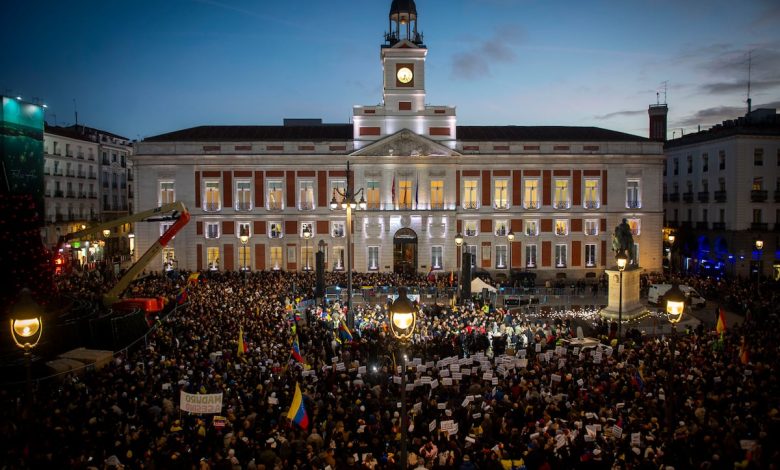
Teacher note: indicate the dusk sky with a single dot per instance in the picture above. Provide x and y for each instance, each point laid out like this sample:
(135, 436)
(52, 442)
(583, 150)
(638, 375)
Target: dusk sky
(140, 68)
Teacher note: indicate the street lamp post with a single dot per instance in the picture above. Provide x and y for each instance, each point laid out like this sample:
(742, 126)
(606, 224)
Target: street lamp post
(403, 319)
(675, 307)
(306, 237)
(622, 260)
(244, 240)
(348, 203)
(671, 255)
(26, 330)
(106, 234)
(759, 267)
(459, 244)
(510, 238)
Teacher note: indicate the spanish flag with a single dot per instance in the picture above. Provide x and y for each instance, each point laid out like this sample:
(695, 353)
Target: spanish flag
(452, 278)
(297, 413)
(721, 325)
(241, 344)
(193, 279)
(296, 351)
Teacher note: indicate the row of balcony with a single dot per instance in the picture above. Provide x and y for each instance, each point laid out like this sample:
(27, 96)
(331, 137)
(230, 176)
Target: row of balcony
(70, 194)
(70, 174)
(756, 195)
(72, 218)
(247, 206)
(91, 158)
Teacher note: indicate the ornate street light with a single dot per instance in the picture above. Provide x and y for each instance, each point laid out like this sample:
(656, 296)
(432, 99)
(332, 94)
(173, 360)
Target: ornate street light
(244, 240)
(26, 329)
(348, 203)
(675, 304)
(510, 237)
(759, 244)
(675, 307)
(403, 319)
(307, 236)
(622, 260)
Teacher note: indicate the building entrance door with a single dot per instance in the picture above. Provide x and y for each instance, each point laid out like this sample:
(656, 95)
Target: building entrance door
(405, 251)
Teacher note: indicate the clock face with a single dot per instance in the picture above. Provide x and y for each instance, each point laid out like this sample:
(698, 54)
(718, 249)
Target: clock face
(405, 75)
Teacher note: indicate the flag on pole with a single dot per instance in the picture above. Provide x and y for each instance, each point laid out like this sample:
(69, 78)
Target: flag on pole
(452, 278)
(296, 351)
(344, 332)
(721, 326)
(393, 194)
(417, 191)
(744, 354)
(193, 278)
(181, 297)
(431, 275)
(241, 343)
(297, 413)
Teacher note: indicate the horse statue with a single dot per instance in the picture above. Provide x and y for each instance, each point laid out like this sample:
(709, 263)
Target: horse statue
(623, 242)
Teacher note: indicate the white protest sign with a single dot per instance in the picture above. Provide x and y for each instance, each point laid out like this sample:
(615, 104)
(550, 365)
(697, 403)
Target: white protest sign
(201, 404)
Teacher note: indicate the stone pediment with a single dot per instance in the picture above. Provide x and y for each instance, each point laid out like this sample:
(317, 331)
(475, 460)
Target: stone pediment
(406, 143)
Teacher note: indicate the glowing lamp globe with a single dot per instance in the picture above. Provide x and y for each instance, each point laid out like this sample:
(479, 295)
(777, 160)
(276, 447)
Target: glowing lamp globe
(403, 316)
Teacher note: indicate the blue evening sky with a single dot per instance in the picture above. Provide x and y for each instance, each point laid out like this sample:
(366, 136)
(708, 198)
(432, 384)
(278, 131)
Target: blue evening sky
(142, 67)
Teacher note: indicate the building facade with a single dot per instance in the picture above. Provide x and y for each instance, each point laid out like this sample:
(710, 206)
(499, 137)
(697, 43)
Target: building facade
(87, 180)
(722, 195)
(424, 179)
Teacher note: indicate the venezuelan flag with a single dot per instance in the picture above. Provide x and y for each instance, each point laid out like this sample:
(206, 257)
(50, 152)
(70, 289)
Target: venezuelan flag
(297, 413)
(296, 351)
(344, 332)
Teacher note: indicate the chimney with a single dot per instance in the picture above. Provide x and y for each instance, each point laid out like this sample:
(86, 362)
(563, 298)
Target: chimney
(657, 113)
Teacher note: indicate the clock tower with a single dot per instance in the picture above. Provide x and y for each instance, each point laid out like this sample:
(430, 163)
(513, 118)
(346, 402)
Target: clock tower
(403, 92)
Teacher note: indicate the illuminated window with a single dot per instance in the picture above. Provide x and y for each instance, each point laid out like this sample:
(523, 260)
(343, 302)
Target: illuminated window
(338, 256)
(633, 194)
(561, 227)
(307, 228)
(243, 229)
(561, 200)
(501, 194)
(243, 195)
(275, 197)
(212, 201)
(337, 189)
(337, 229)
(372, 194)
(405, 194)
(636, 226)
(245, 256)
(437, 194)
(276, 257)
(164, 226)
(212, 257)
(532, 227)
(275, 230)
(531, 194)
(591, 227)
(591, 194)
(167, 192)
(470, 198)
(306, 198)
(500, 228)
(758, 184)
(470, 228)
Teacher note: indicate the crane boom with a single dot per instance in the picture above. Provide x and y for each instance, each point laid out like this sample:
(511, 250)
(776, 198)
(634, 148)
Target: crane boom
(174, 211)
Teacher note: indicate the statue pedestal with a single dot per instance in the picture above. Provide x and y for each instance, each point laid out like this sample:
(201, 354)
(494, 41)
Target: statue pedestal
(632, 305)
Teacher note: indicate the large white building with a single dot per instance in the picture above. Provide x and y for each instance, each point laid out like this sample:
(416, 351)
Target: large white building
(560, 190)
(722, 194)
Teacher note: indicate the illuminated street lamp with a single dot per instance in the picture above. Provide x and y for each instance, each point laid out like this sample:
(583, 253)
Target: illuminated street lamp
(510, 237)
(675, 307)
(244, 240)
(759, 244)
(622, 260)
(307, 236)
(459, 244)
(403, 319)
(348, 203)
(26, 329)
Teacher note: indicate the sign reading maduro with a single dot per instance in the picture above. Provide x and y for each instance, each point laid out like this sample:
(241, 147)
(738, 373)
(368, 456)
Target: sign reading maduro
(201, 404)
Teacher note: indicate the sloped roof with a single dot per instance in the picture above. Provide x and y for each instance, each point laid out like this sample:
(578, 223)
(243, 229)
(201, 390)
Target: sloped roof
(345, 132)
(544, 133)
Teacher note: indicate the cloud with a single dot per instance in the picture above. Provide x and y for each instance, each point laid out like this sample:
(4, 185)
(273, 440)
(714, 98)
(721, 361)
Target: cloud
(739, 86)
(625, 113)
(475, 63)
(718, 114)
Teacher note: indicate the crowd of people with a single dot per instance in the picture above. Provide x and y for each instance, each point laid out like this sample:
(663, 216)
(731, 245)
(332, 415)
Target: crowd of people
(486, 388)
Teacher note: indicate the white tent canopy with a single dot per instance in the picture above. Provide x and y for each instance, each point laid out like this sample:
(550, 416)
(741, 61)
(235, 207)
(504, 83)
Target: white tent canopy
(478, 284)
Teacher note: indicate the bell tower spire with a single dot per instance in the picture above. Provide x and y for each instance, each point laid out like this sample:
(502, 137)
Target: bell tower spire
(403, 23)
